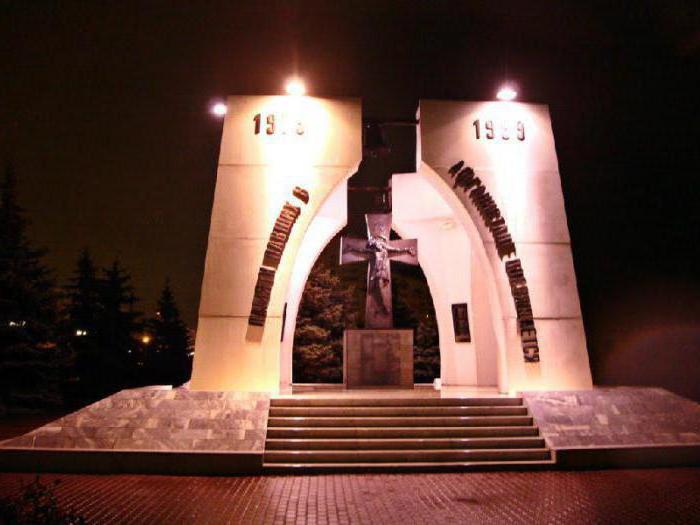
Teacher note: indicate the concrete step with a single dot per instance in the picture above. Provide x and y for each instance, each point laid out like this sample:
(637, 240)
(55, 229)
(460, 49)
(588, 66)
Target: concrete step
(402, 434)
(303, 432)
(356, 411)
(411, 456)
(395, 402)
(404, 443)
(408, 466)
(416, 421)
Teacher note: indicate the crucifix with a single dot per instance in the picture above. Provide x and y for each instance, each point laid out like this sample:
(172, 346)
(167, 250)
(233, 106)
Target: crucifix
(379, 251)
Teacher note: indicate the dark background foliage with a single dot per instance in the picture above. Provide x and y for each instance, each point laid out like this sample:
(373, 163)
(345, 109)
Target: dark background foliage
(334, 299)
(69, 345)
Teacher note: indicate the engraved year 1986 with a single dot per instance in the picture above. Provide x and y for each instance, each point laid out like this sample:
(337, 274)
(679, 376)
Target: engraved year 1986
(277, 123)
(503, 130)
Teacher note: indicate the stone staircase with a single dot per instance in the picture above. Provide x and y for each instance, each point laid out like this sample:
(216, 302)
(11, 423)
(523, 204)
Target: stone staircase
(342, 434)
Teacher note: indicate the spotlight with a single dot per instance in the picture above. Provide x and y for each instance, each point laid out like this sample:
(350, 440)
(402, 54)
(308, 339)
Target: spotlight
(219, 109)
(295, 87)
(506, 93)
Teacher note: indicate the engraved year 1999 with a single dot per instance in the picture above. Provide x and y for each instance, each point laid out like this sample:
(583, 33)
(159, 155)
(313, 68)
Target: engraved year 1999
(490, 129)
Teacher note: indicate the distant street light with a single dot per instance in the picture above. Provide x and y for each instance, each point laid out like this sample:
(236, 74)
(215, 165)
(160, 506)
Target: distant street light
(295, 87)
(506, 93)
(219, 109)
(146, 339)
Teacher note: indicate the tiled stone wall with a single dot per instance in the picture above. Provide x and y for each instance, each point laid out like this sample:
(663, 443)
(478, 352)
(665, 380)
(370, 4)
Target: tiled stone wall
(159, 419)
(615, 417)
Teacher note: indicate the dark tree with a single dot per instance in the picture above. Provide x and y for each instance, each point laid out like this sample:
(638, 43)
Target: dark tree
(118, 328)
(83, 295)
(413, 308)
(31, 363)
(82, 323)
(334, 299)
(167, 352)
(324, 312)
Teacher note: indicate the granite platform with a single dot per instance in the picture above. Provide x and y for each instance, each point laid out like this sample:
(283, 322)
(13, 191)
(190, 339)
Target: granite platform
(178, 431)
(150, 430)
(618, 427)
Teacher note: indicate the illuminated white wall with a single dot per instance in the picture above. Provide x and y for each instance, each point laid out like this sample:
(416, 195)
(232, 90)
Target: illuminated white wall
(523, 177)
(330, 219)
(445, 255)
(256, 174)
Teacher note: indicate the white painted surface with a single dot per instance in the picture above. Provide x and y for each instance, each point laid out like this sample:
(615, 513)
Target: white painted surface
(256, 175)
(523, 178)
(330, 219)
(445, 255)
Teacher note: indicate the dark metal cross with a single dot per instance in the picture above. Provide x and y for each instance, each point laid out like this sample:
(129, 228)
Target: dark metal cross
(379, 251)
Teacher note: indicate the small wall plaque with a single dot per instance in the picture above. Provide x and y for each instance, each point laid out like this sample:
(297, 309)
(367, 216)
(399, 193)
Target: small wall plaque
(460, 320)
(284, 321)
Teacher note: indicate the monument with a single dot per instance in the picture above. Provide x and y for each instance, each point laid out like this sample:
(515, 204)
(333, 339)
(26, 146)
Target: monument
(379, 355)
(483, 200)
(485, 204)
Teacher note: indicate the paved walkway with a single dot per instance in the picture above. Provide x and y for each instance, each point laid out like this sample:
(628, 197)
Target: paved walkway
(611, 496)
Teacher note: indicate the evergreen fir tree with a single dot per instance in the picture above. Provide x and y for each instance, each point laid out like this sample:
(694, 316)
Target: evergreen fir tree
(31, 363)
(324, 313)
(117, 329)
(334, 299)
(413, 308)
(83, 312)
(83, 294)
(168, 351)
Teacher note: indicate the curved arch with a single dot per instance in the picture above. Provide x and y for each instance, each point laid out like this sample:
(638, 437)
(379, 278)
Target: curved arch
(331, 217)
(479, 250)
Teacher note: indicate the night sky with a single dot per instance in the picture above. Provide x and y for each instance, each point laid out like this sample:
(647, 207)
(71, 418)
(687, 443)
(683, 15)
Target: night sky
(103, 112)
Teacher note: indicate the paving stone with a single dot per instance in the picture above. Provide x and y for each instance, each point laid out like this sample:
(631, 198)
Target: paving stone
(669, 496)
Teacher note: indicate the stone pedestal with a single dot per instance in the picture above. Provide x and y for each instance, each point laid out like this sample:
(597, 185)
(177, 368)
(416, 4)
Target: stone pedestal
(378, 358)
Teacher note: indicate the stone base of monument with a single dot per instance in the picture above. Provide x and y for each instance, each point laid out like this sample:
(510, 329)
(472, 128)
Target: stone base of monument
(618, 427)
(378, 358)
(161, 430)
(153, 430)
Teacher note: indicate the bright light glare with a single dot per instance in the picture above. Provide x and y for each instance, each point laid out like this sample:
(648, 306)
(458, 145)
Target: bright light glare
(506, 93)
(219, 109)
(146, 339)
(295, 87)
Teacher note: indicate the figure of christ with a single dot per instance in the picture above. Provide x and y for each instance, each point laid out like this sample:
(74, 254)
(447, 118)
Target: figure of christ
(379, 251)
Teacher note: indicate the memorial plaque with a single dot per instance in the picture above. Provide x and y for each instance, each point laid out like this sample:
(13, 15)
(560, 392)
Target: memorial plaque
(460, 321)
(378, 358)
